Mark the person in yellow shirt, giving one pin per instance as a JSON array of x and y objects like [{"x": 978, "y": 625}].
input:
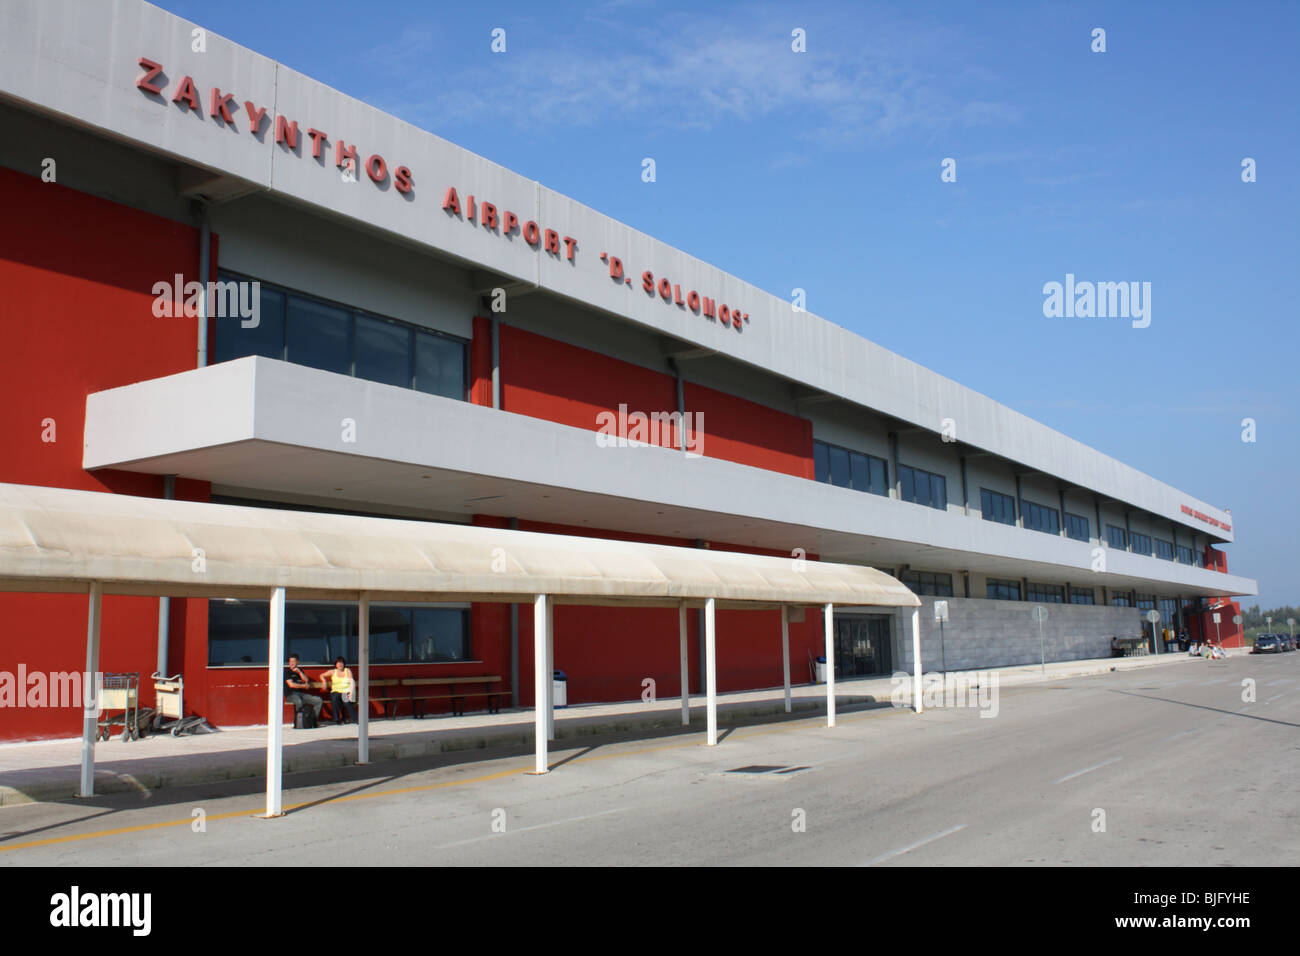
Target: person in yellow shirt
[{"x": 343, "y": 691}]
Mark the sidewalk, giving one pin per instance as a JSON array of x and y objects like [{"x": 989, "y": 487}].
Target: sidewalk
[{"x": 49, "y": 770}]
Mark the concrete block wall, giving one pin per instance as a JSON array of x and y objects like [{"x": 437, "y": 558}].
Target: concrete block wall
[{"x": 981, "y": 633}]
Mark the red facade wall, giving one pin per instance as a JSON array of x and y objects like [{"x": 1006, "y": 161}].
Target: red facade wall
[
  {"x": 563, "y": 383},
  {"x": 76, "y": 306}
]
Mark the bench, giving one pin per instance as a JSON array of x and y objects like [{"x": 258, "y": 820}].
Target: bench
[{"x": 457, "y": 697}]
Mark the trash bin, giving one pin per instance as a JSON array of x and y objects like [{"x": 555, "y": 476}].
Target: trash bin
[
  {"x": 560, "y": 689},
  {"x": 821, "y": 670}
]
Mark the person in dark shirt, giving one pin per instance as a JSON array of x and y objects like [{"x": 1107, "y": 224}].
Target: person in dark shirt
[{"x": 298, "y": 689}]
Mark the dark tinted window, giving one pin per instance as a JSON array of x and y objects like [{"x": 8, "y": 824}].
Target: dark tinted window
[
  {"x": 439, "y": 365},
  {"x": 231, "y": 339},
  {"x": 319, "y": 336},
  {"x": 383, "y": 351}
]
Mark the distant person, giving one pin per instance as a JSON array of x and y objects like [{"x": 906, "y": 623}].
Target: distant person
[
  {"x": 1182, "y": 639},
  {"x": 298, "y": 687},
  {"x": 343, "y": 691}
]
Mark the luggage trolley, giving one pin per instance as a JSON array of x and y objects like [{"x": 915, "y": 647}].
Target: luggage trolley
[
  {"x": 169, "y": 702},
  {"x": 120, "y": 693}
]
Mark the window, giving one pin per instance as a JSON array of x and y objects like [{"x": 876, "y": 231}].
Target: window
[
  {"x": 923, "y": 487},
  {"x": 1146, "y": 602},
  {"x": 1198, "y": 559},
  {"x": 849, "y": 469},
  {"x": 1184, "y": 554},
  {"x": 233, "y": 340},
  {"x": 1082, "y": 596},
  {"x": 1141, "y": 543},
  {"x": 1040, "y": 517},
  {"x": 325, "y": 335},
  {"x": 1120, "y": 600},
  {"x": 1046, "y": 593},
  {"x": 1117, "y": 537},
  {"x": 927, "y": 582},
  {"x": 1164, "y": 549},
  {"x": 318, "y": 335},
  {"x": 996, "y": 506},
  {"x": 1003, "y": 590},
  {"x": 319, "y": 632},
  {"x": 383, "y": 351},
  {"x": 1077, "y": 527}
]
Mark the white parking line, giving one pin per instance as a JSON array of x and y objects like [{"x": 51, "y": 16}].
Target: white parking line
[
  {"x": 912, "y": 846},
  {"x": 1275, "y": 697},
  {"x": 1079, "y": 773},
  {"x": 536, "y": 826}
]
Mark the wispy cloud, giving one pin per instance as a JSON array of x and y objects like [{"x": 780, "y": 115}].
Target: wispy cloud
[{"x": 696, "y": 71}]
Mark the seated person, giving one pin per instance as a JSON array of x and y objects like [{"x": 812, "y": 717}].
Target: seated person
[
  {"x": 298, "y": 688},
  {"x": 343, "y": 690}
]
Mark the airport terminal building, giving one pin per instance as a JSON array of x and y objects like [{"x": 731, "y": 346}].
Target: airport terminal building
[{"x": 224, "y": 281}]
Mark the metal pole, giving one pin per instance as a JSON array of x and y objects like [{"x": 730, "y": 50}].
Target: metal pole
[
  {"x": 828, "y": 621},
  {"x": 91, "y": 701},
  {"x": 943, "y": 650},
  {"x": 275, "y": 704},
  {"x": 916, "y": 659},
  {"x": 363, "y": 691},
  {"x": 711, "y": 671},
  {"x": 686, "y": 671},
  {"x": 1042, "y": 655},
  {"x": 785, "y": 652},
  {"x": 541, "y": 679}
]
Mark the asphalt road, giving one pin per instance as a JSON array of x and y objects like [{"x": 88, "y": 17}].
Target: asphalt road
[{"x": 1185, "y": 771}]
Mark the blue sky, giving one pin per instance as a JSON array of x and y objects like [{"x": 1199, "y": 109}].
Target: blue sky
[{"x": 821, "y": 170}]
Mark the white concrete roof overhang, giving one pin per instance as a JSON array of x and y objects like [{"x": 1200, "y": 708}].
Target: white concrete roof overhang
[
  {"x": 54, "y": 539},
  {"x": 274, "y": 428}
]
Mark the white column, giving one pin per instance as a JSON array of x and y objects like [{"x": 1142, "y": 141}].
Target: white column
[
  {"x": 275, "y": 704},
  {"x": 686, "y": 670},
  {"x": 828, "y": 620},
  {"x": 550, "y": 669},
  {"x": 711, "y": 670},
  {"x": 90, "y": 701},
  {"x": 916, "y": 659},
  {"x": 541, "y": 677},
  {"x": 785, "y": 652},
  {"x": 363, "y": 686}
]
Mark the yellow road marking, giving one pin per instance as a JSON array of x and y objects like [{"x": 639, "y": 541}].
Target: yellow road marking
[{"x": 144, "y": 827}]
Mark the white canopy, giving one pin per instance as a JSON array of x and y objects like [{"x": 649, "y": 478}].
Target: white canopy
[
  {"x": 58, "y": 540},
  {"x": 54, "y": 539}
]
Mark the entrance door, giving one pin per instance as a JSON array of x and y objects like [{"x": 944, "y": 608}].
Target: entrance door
[{"x": 861, "y": 644}]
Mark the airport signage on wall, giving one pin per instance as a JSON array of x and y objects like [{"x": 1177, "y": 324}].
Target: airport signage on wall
[
  {"x": 224, "y": 107},
  {"x": 1214, "y": 522}
]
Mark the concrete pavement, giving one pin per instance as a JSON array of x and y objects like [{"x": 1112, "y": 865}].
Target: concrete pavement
[{"x": 50, "y": 770}]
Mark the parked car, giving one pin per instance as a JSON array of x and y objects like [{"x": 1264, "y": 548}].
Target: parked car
[
  {"x": 1267, "y": 644},
  {"x": 1288, "y": 642}
]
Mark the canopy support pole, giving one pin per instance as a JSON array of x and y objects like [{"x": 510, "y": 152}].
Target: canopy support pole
[
  {"x": 541, "y": 679},
  {"x": 275, "y": 705},
  {"x": 785, "y": 652},
  {"x": 363, "y": 688},
  {"x": 550, "y": 670},
  {"x": 686, "y": 671},
  {"x": 829, "y": 621},
  {"x": 916, "y": 659},
  {"x": 711, "y": 669},
  {"x": 90, "y": 692}
]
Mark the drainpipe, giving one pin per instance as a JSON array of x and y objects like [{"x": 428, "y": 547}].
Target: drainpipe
[
  {"x": 681, "y": 404},
  {"x": 496, "y": 381},
  {"x": 205, "y": 244},
  {"x": 165, "y": 603}
]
